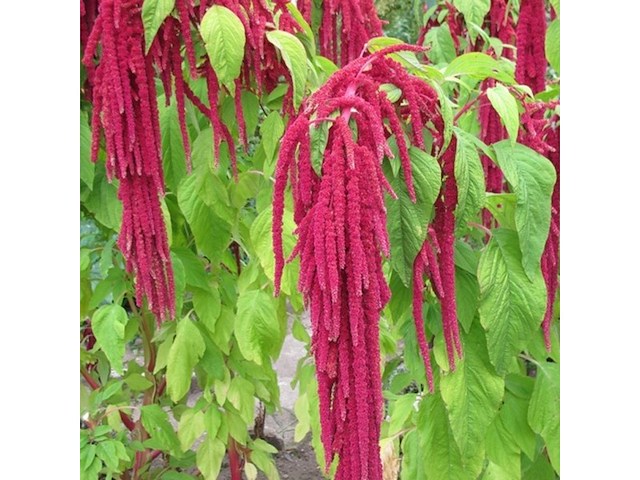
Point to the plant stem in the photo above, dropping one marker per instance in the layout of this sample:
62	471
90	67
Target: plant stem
235	466
469	104
126	419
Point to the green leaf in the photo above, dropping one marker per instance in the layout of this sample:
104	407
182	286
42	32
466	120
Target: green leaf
467	297
137	382
154	13
319	136
401	411
511	305
224	40
195	196
156	422
556	6
194	268
503	208
552	44
544	409
262	242
502	449
473	11
103	200
87	167
257	329
307	38
190	428
439	452
209	457
108	324
107	452
407	221
532	178
472	394
480	66
470	179
207	305
514	417
188	347
442	50
240	395
295	58
250	469
412	457
212	420
540	469
271	131
173	160
505	104
301	409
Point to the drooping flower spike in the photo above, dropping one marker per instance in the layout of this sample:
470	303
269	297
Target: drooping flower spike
541	132
345	28
342	237
125	109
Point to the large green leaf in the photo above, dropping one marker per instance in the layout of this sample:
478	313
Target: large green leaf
470	179
188	347
224	40
514	417
196	194
103	200
511	305
156	422
532	178
472	394
257	329
262	242
479	66
544	409
473	11
154	13
190	427
295	58
505	104
108	325
467	297
439	450
407	221
87	167
413	465
442	49
173	161
271	131
552	44
209	457
502	450
240	395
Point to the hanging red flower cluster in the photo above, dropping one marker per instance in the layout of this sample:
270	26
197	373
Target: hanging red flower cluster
501	26
541	133
124	107
260	65
436	261
345	28
531	65
341	217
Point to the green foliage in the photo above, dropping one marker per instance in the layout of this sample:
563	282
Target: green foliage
407	221
224	39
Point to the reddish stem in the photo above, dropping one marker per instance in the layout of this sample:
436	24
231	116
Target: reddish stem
468	106
235	463
126	419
